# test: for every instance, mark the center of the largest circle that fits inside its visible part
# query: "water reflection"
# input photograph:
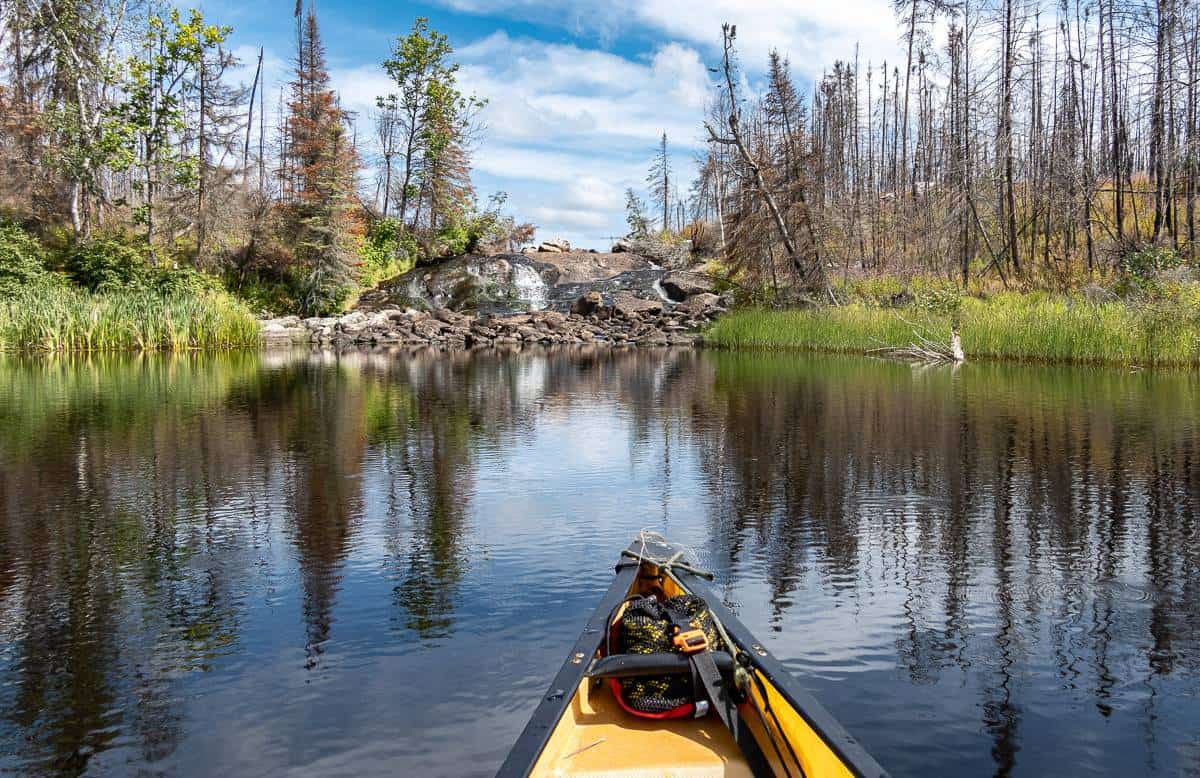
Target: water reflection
(989, 569)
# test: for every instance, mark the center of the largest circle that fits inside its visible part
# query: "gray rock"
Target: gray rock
(701, 303)
(632, 307)
(555, 246)
(681, 285)
(588, 304)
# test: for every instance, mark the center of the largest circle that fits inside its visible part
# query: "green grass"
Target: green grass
(50, 318)
(1032, 327)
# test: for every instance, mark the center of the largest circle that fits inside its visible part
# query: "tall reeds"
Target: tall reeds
(51, 318)
(1020, 327)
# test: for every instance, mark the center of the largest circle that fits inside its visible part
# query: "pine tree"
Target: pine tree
(324, 162)
(659, 181)
(635, 215)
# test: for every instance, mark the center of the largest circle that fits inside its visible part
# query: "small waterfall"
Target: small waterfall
(416, 288)
(529, 286)
(657, 287)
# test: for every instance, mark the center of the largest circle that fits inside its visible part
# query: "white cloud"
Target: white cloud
(564, 118)
(812, 34)
(567, 128)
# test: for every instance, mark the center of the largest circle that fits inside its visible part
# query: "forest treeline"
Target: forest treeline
(133, 141)
(1021, 141)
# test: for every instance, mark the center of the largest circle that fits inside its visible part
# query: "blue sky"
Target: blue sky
(578, 92)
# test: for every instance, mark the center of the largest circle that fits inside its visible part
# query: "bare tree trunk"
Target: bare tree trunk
(760, 184)
(1006, 135)
(1118, 173)
(202, 162)
(250, 123)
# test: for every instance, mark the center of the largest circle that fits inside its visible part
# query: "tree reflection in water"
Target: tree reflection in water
(973, 567)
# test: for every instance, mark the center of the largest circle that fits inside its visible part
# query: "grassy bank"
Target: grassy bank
(62, 318)
(1037, 327)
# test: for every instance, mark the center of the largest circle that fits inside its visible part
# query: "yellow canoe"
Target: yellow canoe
(578, 729)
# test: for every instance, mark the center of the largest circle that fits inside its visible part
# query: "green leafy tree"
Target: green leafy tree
(430, 120)
(79, 43)
(22, 259)
(153, 113)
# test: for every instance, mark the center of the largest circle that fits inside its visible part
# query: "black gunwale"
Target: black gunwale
(554, 703)
(528, 747)
(845, 745)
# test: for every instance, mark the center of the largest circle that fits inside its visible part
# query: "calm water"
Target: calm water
(318, 566)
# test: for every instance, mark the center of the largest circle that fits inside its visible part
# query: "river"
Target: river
(321, 565)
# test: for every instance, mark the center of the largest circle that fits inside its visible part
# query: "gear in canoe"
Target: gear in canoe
(665, 681)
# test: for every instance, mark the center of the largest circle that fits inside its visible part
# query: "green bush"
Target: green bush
(455, 237)
(937, 299)
(1144, 271)
(106, 263)
(387, 250)
(178, 281)
(22, 259)
(1149, 261)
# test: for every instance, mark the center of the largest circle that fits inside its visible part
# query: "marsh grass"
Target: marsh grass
(61, 318)
(1032, 327)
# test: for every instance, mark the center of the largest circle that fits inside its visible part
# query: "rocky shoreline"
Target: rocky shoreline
(623, 320)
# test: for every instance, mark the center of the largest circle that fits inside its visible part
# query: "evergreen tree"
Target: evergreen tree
(659, 181)
(635, 215)
(324, 162)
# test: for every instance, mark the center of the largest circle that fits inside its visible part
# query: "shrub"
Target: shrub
(179, 281)
(22, 259)
(106, 263)
(387, 250)
(937, 299)
(1146, 272)
(268, 296)
(453, 238)
(1149, 261)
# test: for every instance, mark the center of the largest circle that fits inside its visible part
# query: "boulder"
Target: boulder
(353, 322)
(681, 285)
(551, 319)
(588, 304)
(286, 329)
(555, 246)
(622, 246)
(702, 303)
(428, 328)
(629, 306)
(448, 316)
(320, 323)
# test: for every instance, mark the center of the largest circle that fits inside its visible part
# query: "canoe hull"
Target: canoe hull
(578, 729)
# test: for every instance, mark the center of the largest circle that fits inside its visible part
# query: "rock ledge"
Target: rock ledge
(625, 321)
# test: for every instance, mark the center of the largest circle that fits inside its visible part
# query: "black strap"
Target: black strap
(718, 696)
(635, 665)
(722, 699)
(705, 668)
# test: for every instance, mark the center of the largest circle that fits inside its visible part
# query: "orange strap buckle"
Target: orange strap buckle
(691, 641)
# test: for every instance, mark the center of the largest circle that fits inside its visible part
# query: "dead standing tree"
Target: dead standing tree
(812, 272)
